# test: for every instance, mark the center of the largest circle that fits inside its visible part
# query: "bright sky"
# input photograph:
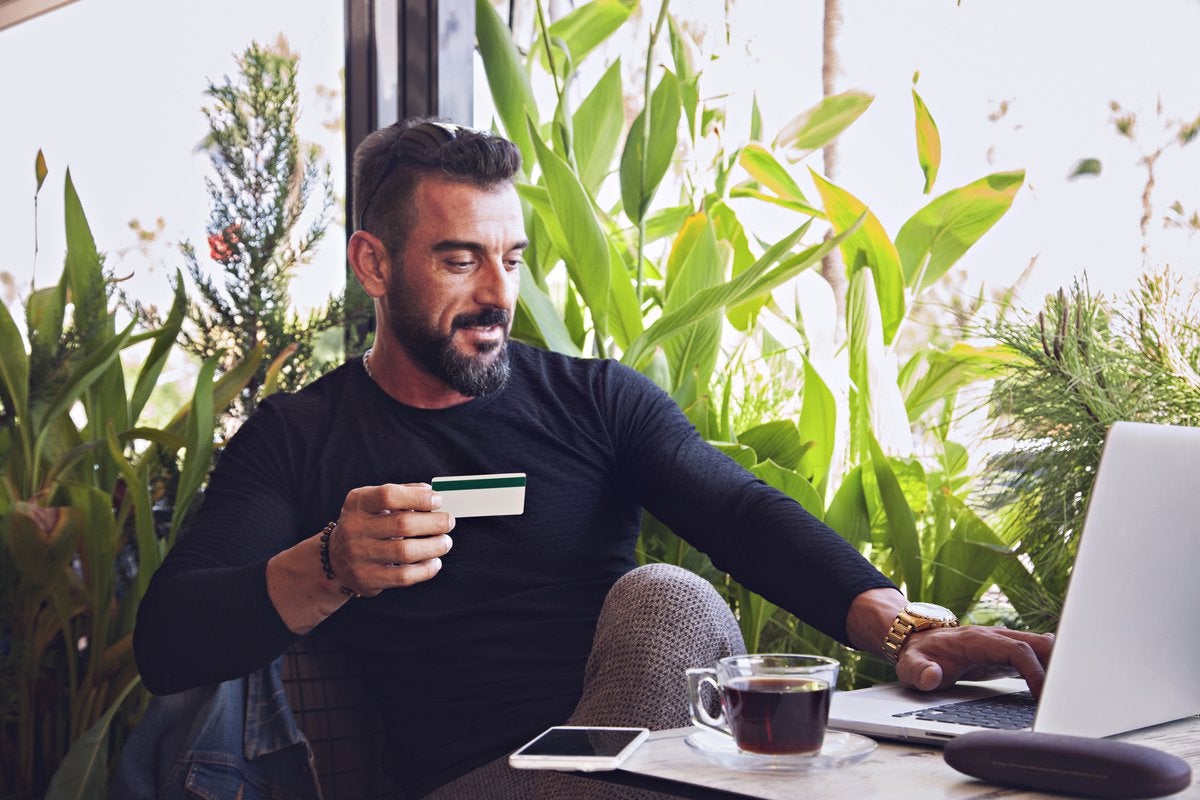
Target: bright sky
(114, 89)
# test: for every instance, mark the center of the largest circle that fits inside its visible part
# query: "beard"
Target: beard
(469, 375)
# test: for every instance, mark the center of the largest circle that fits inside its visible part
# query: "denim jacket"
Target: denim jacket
(213, 741)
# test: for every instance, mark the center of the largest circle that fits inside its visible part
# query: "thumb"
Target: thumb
(928, 676)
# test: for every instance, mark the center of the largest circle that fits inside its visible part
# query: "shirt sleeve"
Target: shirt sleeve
(766, 540)
(206, 616)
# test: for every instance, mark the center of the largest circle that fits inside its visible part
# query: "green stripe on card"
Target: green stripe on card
(478, 483)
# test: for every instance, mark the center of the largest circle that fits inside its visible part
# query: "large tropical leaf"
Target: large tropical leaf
(818, 427)
(506, 78)
(625, 314)
(585, 27)
(765, 169)
(598, 126)
(816, 127)
(538, 305)
(777, 441)
(902, 526)
(693, 265)
(83, 773)
(938, 235)
(964, 565)
(868, 247)
(648, 154)
(848, 513)
(585, 245)
(759, 279)
(793, 484)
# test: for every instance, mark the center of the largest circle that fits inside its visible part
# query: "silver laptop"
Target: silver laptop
(1127, 645)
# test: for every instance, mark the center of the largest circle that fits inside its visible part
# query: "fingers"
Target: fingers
(393, 497)
(389, 536)
(936, 659)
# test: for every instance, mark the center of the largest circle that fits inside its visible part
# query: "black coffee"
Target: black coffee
(777, 716)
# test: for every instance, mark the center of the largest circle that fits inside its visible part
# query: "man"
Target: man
(474, 634)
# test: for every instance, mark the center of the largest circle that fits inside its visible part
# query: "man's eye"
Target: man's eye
(512, 263)
(461, 264)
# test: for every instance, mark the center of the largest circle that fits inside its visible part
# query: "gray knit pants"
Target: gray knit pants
(657, 621)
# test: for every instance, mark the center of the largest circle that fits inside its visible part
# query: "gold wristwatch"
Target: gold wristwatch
(912, 618)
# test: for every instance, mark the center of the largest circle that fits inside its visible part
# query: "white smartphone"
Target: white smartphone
(577, 748)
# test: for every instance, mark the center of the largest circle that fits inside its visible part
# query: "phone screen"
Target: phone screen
(580, 742)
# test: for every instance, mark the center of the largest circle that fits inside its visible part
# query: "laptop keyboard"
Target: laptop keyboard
(1004, 712)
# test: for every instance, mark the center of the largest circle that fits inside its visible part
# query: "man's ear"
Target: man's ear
(370, 261)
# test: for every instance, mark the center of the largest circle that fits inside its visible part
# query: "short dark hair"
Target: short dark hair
(386, 170)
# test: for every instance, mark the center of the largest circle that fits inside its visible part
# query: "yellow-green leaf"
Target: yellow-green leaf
(598, 125)
(764, 168)
(646, 158)
(938, 235)
(816, 127)
(39, 170)
(929, 142)
(870, 247)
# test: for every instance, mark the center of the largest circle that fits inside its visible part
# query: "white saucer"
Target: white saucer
(839, 750)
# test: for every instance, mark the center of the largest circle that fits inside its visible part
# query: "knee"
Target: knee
(668, 588)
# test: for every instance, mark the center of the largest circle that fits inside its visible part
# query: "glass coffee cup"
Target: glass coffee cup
(772, 704)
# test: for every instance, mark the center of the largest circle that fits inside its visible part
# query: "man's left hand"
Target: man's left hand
(937, 658)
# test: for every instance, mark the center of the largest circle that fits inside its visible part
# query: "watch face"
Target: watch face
(930, 611)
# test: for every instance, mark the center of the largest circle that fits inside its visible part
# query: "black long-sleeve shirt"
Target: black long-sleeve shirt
(471, 663)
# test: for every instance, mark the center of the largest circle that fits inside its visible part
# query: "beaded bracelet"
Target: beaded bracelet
(326, 534)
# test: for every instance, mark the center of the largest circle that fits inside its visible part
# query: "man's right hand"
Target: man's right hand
(388, 537)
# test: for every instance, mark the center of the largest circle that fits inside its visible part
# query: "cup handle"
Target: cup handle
(696, 678)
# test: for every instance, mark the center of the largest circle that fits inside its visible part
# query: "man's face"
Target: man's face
(451, 296)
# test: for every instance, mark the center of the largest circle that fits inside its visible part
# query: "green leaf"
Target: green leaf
(645, 159)
(929, 142)
(859, 324)
(82, 270)
(227, 387)
(689, 78)
(625, 314)
(40, 171)
(1084, 166)
(938, 235)
(506, 78)
(951, 370)
(738, 452)
(757, 280)
(585, 27)
(816, 127)
(756, 123)
(868, 247)
(540, 308)
(818, 427)
(164, 340)
(790, 205)
(693, 265)
(45, 312)
(793, 484)
(83, 772)
(14, 370)
(848, 513)
(585, 245)
(964, 565)
(778, 441)
(201, 419)
(764, 168)
(666, 222)
(82, 375)
(902, 526)
(598, 126)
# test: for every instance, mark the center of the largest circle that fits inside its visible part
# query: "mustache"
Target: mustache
(484, 318)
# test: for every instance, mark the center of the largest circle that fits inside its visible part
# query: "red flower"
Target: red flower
(221, 246)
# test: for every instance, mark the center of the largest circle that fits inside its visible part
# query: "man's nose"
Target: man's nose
(497, 286)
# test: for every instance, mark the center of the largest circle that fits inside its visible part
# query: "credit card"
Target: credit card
(496, 495)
